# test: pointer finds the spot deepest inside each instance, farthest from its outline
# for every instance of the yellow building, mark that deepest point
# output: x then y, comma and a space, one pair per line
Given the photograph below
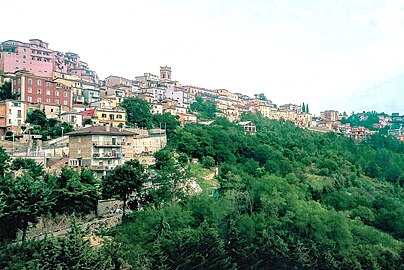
116, 117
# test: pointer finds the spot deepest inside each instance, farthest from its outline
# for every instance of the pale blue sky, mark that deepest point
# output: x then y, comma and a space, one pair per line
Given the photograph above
342, 55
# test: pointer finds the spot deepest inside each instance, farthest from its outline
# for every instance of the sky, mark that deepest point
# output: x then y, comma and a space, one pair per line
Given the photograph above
343, 55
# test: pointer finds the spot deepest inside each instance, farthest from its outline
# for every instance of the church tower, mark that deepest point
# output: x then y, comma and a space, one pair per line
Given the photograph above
165, 73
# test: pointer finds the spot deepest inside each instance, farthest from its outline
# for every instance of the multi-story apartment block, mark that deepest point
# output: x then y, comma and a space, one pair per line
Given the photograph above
226, 93
35, 89
158, 93
12, 116
179, 95
100, 148
267, 111
91, 92
34, 57
71, 81
291, 107
112, 81
329, 115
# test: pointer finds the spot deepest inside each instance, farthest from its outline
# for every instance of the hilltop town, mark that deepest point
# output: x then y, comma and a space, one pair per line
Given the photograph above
35, 77
187, 177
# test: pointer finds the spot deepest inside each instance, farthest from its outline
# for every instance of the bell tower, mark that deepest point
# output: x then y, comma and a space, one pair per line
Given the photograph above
165, 73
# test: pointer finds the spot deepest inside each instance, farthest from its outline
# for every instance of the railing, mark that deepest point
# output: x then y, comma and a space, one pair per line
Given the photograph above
107, 155
108, 143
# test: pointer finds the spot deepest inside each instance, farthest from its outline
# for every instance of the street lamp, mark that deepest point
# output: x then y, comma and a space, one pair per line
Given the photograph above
62, 130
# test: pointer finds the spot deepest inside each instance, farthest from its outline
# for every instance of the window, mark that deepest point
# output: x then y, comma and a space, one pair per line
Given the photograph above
57, 101
39, 91
104, 115
19, 113
39, 100
48, 100
47, 92
39, 82
65, 102
24, 57
48, 84
29, 90
24, 50
118, 116
57, 93
29, 99
65, 94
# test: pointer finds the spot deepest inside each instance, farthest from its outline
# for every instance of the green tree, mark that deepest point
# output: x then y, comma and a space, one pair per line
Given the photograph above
76, 193
167, 121
169, 181
307, 108
138, 112
37, 117
26, 199
206, 109
6, 92
303, 108
208, 162
261, 96
124, 180
28, 164
4, 161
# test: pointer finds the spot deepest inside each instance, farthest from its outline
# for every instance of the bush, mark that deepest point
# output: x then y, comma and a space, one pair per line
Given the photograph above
208, 162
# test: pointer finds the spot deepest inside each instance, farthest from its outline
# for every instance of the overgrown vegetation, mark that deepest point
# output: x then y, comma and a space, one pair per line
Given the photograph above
287, 198
49, 128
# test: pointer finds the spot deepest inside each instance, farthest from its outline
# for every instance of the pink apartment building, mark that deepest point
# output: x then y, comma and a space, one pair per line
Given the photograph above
39, 60
34, 57
35, 89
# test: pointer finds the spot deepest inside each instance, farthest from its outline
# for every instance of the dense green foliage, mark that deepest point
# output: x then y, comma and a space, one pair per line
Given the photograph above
205, 109
49, 128
124, 180
288, 199
362, 119
33, 194
6, 92
139, 114
70, 252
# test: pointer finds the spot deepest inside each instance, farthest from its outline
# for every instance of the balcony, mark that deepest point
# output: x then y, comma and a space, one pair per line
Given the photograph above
108, 144
107, 155
100, 168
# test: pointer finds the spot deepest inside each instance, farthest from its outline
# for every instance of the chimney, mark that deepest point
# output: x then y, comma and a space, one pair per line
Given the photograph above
108, 128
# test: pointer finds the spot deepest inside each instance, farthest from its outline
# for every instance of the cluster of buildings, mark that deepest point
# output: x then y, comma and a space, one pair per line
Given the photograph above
331, 120
65, 88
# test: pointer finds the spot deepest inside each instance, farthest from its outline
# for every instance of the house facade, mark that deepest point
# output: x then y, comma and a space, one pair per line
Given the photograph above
100, 148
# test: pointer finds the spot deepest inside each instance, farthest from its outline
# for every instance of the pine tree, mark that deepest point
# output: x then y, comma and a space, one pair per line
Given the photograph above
307, 108
303, 108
